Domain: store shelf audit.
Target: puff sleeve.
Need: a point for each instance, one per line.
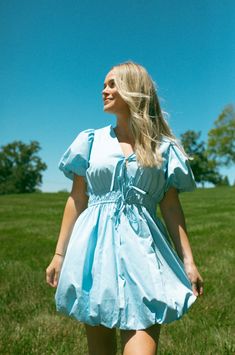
(178, 172)
(76, 157)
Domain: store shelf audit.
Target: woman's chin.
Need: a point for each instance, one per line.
(107, 109)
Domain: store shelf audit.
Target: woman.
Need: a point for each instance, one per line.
(115, 265)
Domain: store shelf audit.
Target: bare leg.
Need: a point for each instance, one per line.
(140, 342)
(101, 340)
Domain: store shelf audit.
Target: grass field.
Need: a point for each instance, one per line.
(29, 324)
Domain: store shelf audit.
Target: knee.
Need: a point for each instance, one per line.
(140, 341)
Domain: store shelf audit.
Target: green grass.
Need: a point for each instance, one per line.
(29, 227)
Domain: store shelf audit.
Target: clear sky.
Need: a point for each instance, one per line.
(55, 54)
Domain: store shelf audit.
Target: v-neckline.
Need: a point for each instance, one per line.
(119, 145)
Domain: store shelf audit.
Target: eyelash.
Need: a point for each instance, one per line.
(112, 83)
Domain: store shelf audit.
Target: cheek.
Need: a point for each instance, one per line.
(122, 103)
(119, 99)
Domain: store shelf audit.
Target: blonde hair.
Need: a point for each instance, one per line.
(147, 123)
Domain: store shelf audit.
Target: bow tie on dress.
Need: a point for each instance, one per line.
(129, 194)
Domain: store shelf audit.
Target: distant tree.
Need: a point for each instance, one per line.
(223, 182)
(221, 138)
(20, 167)
(204, 168)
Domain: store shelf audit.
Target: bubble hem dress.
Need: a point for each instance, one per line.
(120, 269)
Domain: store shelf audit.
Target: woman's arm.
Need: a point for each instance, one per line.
(173, 216)
(75, 205)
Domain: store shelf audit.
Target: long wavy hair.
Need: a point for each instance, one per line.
(147, 123)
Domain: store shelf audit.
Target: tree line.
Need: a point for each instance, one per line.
(21, 168)
(218, 151)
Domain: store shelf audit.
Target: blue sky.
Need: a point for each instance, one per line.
(55, 55)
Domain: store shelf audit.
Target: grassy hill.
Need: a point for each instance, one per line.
(29, 226)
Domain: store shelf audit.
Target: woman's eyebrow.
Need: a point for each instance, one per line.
(112, 79)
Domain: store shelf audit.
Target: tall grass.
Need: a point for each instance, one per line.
(29, 227)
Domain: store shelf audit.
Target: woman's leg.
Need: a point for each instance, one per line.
(101, 340)
(140, 342)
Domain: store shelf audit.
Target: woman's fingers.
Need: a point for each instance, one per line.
(56, 278)
(197, 287)
(53, 271)
(200, 285)
(50, 276)
(195, 278)
(194, 288)
(201, 288)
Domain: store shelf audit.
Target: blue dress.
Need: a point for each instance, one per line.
(120, 269)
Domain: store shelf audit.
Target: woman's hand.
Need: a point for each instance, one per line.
(195, 278)
(53, 270)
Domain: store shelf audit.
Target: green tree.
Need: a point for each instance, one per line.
(204, 168)
(224, 181)
(20, 167)
(221, 138)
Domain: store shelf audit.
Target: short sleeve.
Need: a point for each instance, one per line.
(178, 172)
(76, 157)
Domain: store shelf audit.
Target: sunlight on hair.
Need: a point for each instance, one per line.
(147, 123)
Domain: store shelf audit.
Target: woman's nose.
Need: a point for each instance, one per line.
(105, 90)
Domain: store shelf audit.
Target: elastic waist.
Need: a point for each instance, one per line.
(132, 197)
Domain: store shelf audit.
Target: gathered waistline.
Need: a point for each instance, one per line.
(93, 203)
(115, 196)
(122, 204)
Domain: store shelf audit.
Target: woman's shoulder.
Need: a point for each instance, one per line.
(168, 139)
(166, 142)
(92, 131)
(101, 130)
(171, 146)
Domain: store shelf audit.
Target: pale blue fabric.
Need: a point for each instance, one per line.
(120, 268)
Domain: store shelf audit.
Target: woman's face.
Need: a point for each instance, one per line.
(113, 102)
